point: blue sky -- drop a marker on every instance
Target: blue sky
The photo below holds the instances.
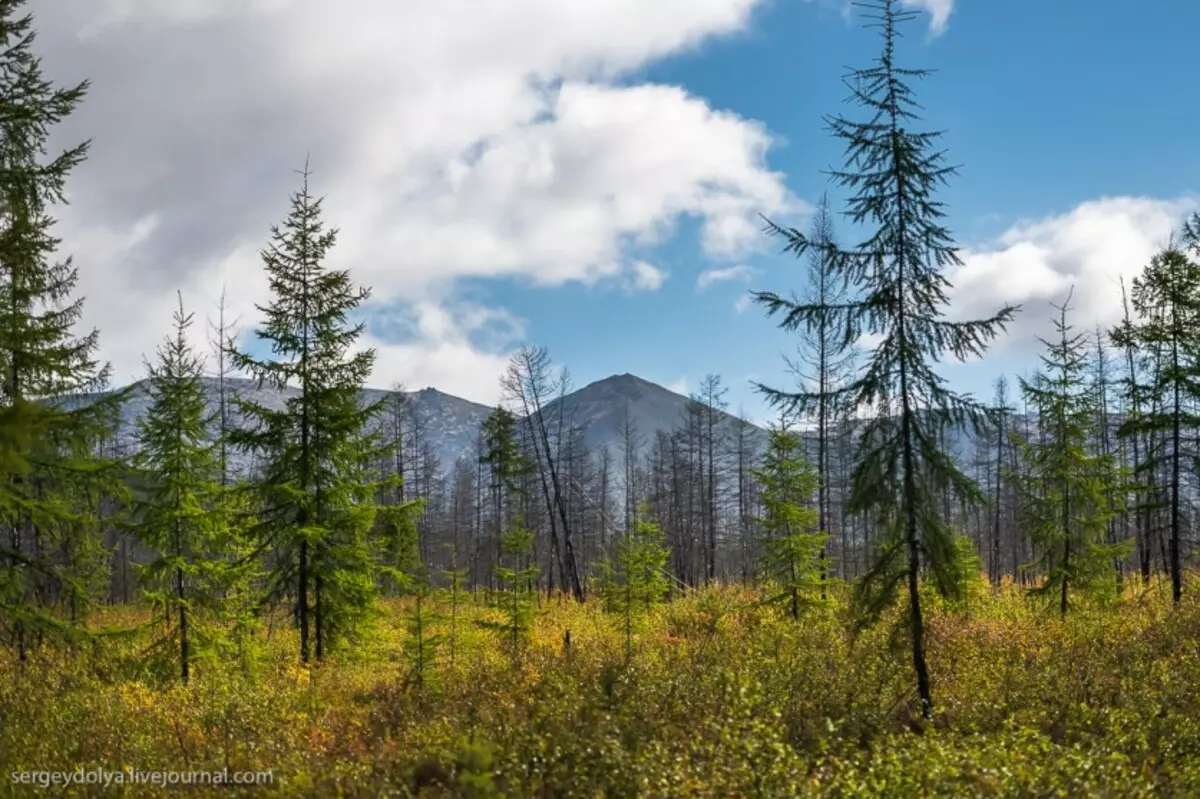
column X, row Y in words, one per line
column 563, row 174
column 1045, row 105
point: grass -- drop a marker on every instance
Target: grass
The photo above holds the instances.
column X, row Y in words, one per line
column 723, row 697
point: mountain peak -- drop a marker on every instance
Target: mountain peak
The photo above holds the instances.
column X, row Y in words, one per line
column 627, row 386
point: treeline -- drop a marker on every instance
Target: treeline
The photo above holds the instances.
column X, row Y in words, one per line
column 1077, row 483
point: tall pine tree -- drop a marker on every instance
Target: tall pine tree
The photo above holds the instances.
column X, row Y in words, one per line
column 900, row 290
column 1167, row 298
column 318, row 484
column 1070, row 487
column 180, row 510
column 51, row 551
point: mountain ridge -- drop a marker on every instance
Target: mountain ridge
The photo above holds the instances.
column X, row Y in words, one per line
column 451, row 423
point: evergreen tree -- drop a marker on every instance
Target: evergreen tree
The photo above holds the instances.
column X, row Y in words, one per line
column 516, row 573
column 507, row 467
column 1132, row 430
column 794, row 541
column 51, row 478
column 515, row 569
column 901, row 299
column 423, row 643
column 1167, row 298
column 180, row 513
column 634, row 580
column 1069, row 488
column 318, row 484
column 456, row 579
column 825, row 359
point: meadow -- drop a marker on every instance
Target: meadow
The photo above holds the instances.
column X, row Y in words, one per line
column 720, row 694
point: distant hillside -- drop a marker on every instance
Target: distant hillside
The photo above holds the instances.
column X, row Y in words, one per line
column 601, row 406
column 452, row 424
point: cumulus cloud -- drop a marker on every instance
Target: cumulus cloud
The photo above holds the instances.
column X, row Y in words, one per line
column 461, row 349
column 708, row 277
column 508, row 147
column 742, row 304
column 1037, row 262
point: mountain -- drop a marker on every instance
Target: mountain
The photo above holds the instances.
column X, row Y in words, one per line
column 601, row 406
column 452, row 424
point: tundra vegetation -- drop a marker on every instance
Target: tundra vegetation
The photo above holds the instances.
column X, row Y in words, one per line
column 898, row 590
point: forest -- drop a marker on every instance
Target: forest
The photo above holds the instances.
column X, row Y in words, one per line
column 271, row 584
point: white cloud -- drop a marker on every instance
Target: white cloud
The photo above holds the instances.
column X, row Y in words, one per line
column 502, row 147
column 939, row 13
column 742, row 304
column 647, row 277
column 443, row 351
column 708, row 277
column 1037, row 262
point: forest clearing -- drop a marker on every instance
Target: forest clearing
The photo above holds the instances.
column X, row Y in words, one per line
column 722, row 696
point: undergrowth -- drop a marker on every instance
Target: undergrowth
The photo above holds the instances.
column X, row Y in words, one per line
column 723, row 696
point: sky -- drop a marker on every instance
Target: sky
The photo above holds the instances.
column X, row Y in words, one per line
column 589, row 175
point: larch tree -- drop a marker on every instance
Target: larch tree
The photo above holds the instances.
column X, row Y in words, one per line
column 51, row 550
column 1167, row 298
column 1000, row 411
column 532, row 383
column 179, row 511
column 825, row 359
column 896, row 277
column 317, row 483
column 1131, row 430
column 634, row 579
column 1069, row 488
column 794, row 541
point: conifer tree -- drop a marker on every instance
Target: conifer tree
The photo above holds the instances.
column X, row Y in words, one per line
column 634, row 579
column 423, row 643
column 456, row 580
column 900, row 297
column 1069, row 488
column 794, row 540
column 1000, row 411
column 515, row 569
column 1131, row 429
column 50, row 473
column 516, row 573
column 1167, row 298
column 507, row 467
column 179, row 514
column 318, row 485
column 826, row 358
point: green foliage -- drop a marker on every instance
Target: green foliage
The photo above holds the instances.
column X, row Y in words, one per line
column 726, row 698
column 516, row 598
column 634, row 579
column 318, row 486
column 1070, row 492
column 794, row 542
column 52, row 482
column 454, row 595
column 423, row 643
column 897, row 272
column 180, row 513
column 1167, row 299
